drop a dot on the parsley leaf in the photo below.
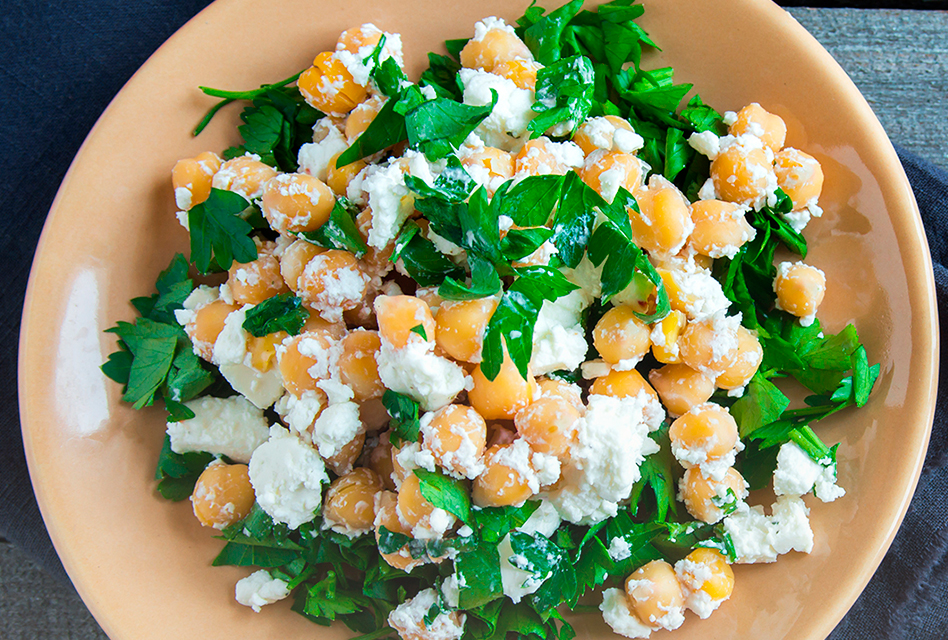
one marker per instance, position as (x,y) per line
(493,523)
(658,473)
(530,202)
(539,556)
(386,129)
(152,345)
(445,493)
(478,570)
(177,473)
(218,231)
(282,312)
(442,74)
(761,404)
(573,222)
(544,36)
(454,184)
(563,94)
(425,264)
(404,425)
(513,320)
(340,231)
(438,127)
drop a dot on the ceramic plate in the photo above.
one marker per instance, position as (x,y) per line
(143,564)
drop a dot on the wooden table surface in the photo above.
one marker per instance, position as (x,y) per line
(898,59)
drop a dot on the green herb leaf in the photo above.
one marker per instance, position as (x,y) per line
(218,231)
(479,571)
(177,473)
(494,523)
(513,320)
(544,560)
(454,184)
(386,129)
(152,345)
(761,404)
(404,424)
(484,282)
(658,473)
(442,74)
(519,243)
(530,202)
(701,116)
(445,493)
(340,231)
(425,264)
(573,222)
(391,541)
(282,312)
(438,127)
(564,93)
(544,36)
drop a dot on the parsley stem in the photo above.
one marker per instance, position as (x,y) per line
(231,96)
(384,632)
(251,94)
(585,608)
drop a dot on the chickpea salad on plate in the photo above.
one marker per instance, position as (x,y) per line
(483,353)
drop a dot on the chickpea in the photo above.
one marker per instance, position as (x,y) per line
(299,359)
(749,356)
(263,350)
(294,259)
(343,460)
(349,506)
(620,335)
(207,325)
(386,515)
(460,327)
(362,116)
(502,397)
(380,461)
(331,283)
(339,178)
(740,174)
(244,175)
(799,175)
(329,87)
(697,491)
(708,346)
(494,47)
(412,506)
(499,485)
(358,368)
(335,330)
(720,228)
(654,592)
(669,328)
(373,415)
(680,387)
(553,388)
(606,171)
(599,133)
(663,222)
(255,281)
(521,72)
(222,495)
(295,202)
(622,384)
(706,428)
(706,570)
(456,436)
(357,38)
(498,164)
(399,315)
(756,121)
(192,178)
(539,157)
(548,424)
(800,289)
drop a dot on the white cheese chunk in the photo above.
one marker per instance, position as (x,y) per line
(417,372)
(798,474)
(287,477)
(226,426)
(506,126)
(260,589)
(758,537)
(617,614)
(408,619)
(612,442)
(261,388)
(559,340)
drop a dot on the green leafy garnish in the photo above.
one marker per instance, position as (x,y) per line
(403,411)
(219,233)
(445,493)
(177,473)
(340,231)
(282,312)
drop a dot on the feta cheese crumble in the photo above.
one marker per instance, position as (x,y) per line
(260,589)
(287,477)
(758,537)
(230,427)
(798,474)
(408,619)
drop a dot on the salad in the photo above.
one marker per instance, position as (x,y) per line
(449,356)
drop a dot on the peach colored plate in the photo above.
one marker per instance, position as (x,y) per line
(143,564)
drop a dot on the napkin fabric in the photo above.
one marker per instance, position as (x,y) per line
(61,64)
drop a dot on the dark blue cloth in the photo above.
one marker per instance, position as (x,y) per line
(61,64)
